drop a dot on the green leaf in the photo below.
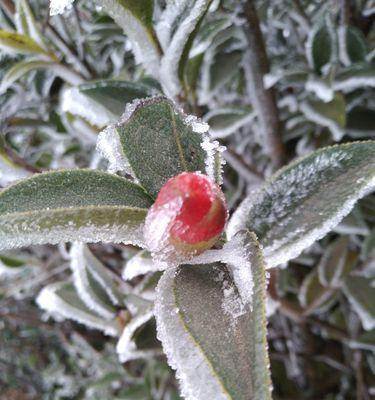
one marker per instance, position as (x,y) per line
(135,18)
(61,301)
(361,122)
(226,121)
(218,348)
(356,47)
(224,67)
(356,77)
(332,263)
(18,43)
(361,294)
(331,114)
(88,288)
(306,199)
(113,94)
(158,143)
(23,67)
(177,49)
(320,47)
(84,205)
(313,296)
(26,23)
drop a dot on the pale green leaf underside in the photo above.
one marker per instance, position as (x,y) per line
(305,200)
(158,143)
(61,300)
(84,205)
(216,355)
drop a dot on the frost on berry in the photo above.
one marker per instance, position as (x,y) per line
(187,218)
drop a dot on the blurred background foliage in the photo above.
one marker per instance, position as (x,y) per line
(64,78)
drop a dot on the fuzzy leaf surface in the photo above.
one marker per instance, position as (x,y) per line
(306,199)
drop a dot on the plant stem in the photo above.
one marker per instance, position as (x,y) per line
(264,100)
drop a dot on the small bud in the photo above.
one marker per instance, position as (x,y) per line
(187,218)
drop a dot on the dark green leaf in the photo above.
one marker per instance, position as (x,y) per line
(159,144)
(218,354)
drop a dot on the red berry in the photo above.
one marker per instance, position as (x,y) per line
(188,216)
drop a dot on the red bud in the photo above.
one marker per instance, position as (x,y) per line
(188,216)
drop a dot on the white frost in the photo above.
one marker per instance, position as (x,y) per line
(74,102)
(59,6)
(140,264)
(126,347)
(82,284)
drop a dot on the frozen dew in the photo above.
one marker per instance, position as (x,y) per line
(157,227)
(214,160)
(109,147)
(140,264)
(15,231)
(196,124)
(59,6)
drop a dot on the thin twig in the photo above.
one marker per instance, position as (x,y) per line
(244,170)
(264,101)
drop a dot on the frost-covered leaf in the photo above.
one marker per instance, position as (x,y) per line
(27,24)
(217,345)
(140,264)
(361,294)
(159,142)
(313,296)
(225,121)
(330,114)
(135,18)
(71,205)
(88,289)
(126,346)
(114,95)
(332,263)
(23,67)
(354,78)
(177,50)
(223,68)
(305,200)
(354,46)
(20,44)
(78,104)
(61,301)
(59,6)
(320,46)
